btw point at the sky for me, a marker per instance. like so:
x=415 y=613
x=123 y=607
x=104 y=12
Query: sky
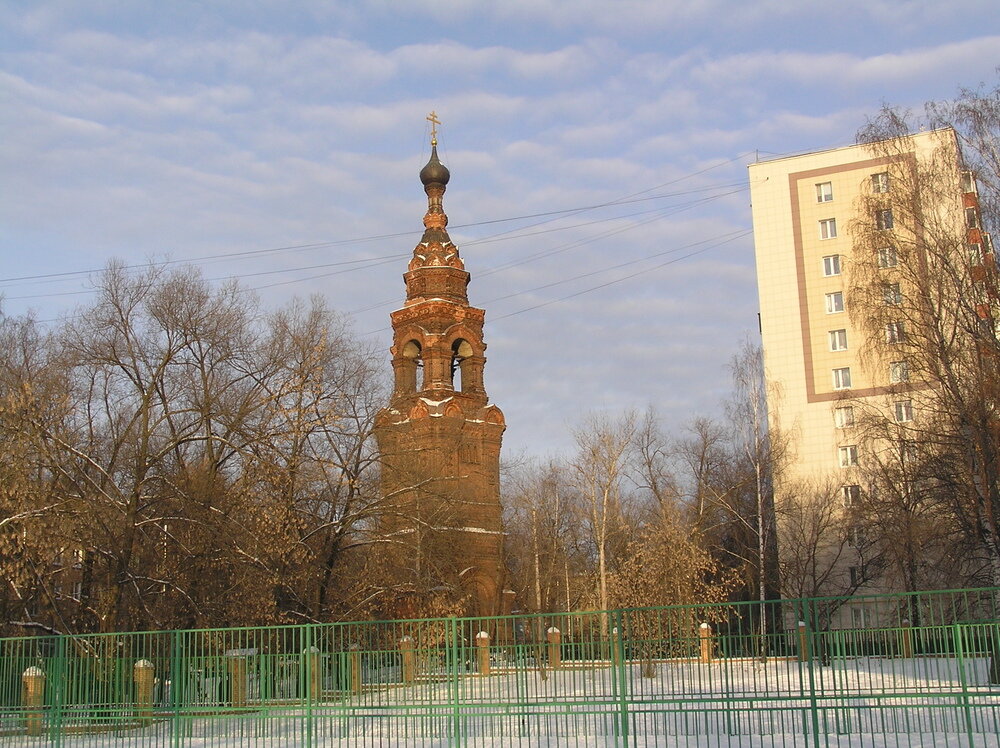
x=598 y=151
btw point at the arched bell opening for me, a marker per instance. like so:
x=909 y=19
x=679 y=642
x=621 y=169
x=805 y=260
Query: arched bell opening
x=410 y=372
x=461 y=351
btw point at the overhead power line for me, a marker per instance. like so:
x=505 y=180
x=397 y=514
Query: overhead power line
x=710 y=243
x=633 y=197
x=365 y=263
x=516 y=233
x=623 y=278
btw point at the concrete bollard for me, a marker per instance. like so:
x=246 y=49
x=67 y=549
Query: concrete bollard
x=483 y=653
x=554 y=637
x=142 y=673
x=409 y=656
x=907 y=639
x=354 y=657
x=238 y=680
x=803 y=642
x=705 y=639
x=33 y=696
x=315 y=673
x=615 y=653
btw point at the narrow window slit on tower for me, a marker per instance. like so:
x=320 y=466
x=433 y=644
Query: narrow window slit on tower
x=460 y=352
x=413 y=375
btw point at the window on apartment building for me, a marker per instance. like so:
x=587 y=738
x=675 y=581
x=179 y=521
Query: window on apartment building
x=972 y=218
x=838 y=340
x=835 y=302
x=831 y=265
x=77 y=592
x=903 y=410
x=880 y=182
x=828 y=228
x=883 y=219
x=843 y=417
x=907 y=452
x=887 y=257
x=847 y=456
x=852 y=495
x=860 y=618
x=824 y=192
x=899 y=371
x=856 y=537
x=895 y=332
x=976 y=254
x=968 y=183
x=892 y=293
x=842 y=378
x=858 y=615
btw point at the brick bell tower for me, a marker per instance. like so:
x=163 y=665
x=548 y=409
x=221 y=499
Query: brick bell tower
x=439 y=438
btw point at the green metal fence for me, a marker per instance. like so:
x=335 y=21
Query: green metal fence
x=862 y=671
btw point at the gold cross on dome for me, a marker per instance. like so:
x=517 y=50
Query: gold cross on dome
x=433 y=119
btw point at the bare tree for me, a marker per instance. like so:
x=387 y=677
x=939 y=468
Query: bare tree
x=906 y=510
x=704 y=460
x=599 y=474
x=821 y=553
x=189 y=453
x=544 y=543
x=924 y=288
x=666 y=564
x=761 y=451
x=30 y=508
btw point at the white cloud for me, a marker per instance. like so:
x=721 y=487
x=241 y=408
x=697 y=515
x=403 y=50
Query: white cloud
x=459 y=60
x=847 y=69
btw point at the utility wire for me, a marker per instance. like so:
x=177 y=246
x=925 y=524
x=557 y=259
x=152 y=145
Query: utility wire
x=723 y=238
x=319 y=245
x=661 y=213
x=622 y=279
x=364 y=264
x=372 y=262
x=718 y=241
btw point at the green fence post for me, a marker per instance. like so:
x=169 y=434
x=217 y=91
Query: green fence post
x=59 y=687
x=621 y=677
x=307 y=650
x=812 y=619
x=455 y=674
x=176 y=686
x=964 y=698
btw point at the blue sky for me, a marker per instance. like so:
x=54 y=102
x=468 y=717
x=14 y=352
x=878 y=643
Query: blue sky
x=185 y=130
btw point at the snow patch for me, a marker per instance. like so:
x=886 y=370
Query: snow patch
x=435 y=403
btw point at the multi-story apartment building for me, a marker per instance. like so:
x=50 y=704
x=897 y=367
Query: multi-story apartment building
x=812 y=213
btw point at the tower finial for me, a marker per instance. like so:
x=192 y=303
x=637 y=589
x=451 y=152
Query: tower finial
x=433 y=119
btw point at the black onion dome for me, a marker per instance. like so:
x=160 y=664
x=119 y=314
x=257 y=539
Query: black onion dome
x=434 y=172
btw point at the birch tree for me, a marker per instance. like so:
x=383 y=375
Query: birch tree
x=599 y=470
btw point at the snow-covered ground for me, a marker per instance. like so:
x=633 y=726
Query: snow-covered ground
x=866 y=702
